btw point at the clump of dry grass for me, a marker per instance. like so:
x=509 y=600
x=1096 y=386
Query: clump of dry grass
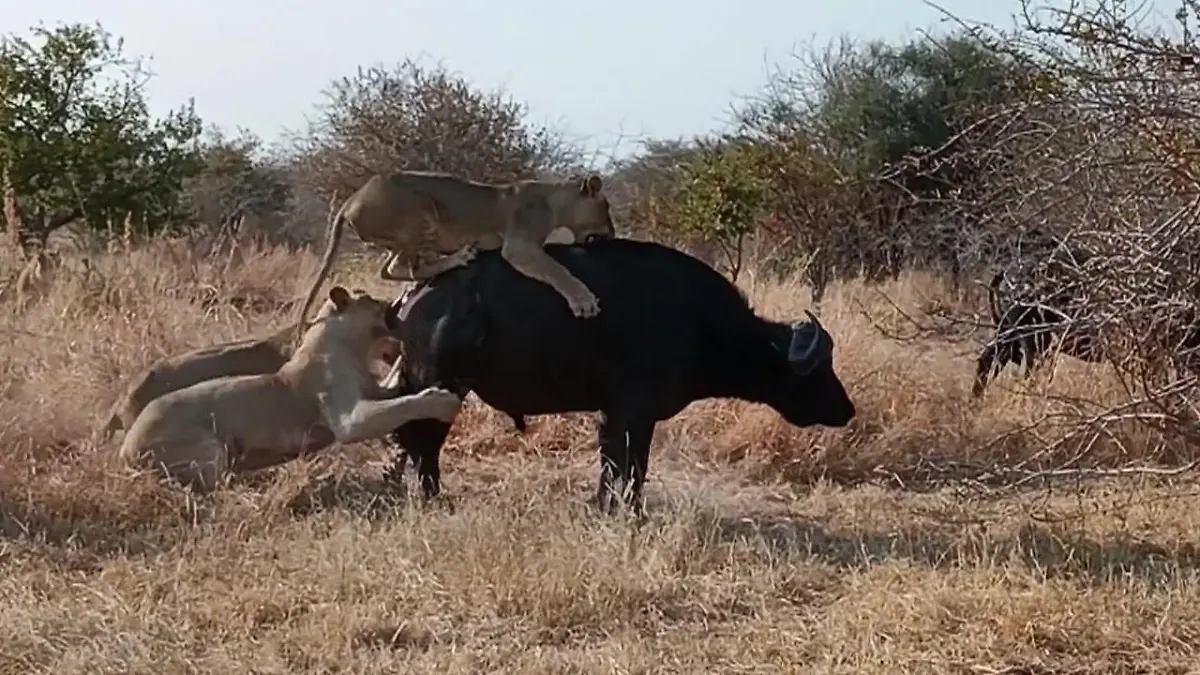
x=769 y=549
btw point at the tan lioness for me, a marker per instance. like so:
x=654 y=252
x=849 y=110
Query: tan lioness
x=254 y=356
x=36 y=277
x=324 y=393
x=432 y=222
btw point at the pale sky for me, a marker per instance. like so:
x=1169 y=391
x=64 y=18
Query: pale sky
x=622 y=69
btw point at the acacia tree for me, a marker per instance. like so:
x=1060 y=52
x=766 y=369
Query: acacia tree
x=722 y=197
x=882 y=121
x=423 y=118
x=77 y=139
x=643 y=188
x=881 y=104
x=235 y=179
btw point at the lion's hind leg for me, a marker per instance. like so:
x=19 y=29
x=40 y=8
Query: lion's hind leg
x=398 y=269
x=414 y=254
x=200 y=462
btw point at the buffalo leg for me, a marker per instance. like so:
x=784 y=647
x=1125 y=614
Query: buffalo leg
x=422 y=440
x=1029 y=347
x=614 y=460
x=987 y=367
x=640 y=435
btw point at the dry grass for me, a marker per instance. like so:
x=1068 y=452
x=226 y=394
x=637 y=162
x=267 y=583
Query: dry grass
x=769 y=549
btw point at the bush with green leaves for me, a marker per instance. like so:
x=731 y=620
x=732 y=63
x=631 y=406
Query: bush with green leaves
x=722 y=198
x=78 y=139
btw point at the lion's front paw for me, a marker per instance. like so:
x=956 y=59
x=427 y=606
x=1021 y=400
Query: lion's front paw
x=442 y=403
x=467 y=253
x=585 y=307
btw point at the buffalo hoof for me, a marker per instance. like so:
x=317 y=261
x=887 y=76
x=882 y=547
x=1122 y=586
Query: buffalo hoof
x=393 y=478
x=440 y=503
x=614 y=506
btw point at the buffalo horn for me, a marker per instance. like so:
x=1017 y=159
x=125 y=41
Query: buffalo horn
x=810 y=345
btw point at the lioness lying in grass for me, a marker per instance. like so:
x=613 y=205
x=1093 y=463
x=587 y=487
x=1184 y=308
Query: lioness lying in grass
x=324 y=393
x=253 y=356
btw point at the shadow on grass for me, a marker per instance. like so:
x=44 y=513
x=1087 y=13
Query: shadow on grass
x=78 y=532
x=80 y=535
x=79 y=540
x=76 y=529
x=1040 y=548
x=373 y=499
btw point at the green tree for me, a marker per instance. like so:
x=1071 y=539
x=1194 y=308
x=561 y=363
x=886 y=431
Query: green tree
x=896 y=130
x=235 y=179
x=723 y=196
x=642 y=188
x=881 y=104
x=78 y=139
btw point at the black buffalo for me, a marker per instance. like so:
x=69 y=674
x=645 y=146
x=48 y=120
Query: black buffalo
x=1025 y=334
x=671 y=331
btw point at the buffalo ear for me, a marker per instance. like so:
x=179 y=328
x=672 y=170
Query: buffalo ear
x=340 y=298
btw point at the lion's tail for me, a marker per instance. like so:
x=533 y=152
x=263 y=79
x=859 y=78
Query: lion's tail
x=336 y=224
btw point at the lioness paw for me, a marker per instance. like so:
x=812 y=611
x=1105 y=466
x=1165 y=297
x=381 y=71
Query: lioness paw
x=442 y=404
x=467 y=253
x=585 y=307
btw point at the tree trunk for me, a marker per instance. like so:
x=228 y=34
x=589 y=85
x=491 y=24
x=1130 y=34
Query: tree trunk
x=12 y=210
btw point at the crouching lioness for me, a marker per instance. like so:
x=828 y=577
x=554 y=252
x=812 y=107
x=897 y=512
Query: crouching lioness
x=254 y=356
x=324 y=393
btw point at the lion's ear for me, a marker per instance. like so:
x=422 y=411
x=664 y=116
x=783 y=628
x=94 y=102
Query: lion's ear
x=590 y=185
x=340 y=297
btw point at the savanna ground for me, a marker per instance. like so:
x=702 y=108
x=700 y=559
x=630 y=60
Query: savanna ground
x=769 y=549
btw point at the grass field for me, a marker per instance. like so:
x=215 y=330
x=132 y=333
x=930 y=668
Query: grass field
x=881 y=548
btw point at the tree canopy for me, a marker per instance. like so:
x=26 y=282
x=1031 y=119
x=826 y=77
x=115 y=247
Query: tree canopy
x=413 y=116
x=76 y=137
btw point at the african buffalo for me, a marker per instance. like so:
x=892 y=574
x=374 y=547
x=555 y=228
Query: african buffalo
x=671 y=331
x=1025 y=332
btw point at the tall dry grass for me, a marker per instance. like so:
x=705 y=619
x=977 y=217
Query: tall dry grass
x=770 y=549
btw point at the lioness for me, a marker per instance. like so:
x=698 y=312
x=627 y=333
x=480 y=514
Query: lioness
x=432 y=222
x=254 y=356
x=36 y=276
x=324 y=393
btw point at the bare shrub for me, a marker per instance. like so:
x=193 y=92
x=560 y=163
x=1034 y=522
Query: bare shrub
x=1098 y=185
